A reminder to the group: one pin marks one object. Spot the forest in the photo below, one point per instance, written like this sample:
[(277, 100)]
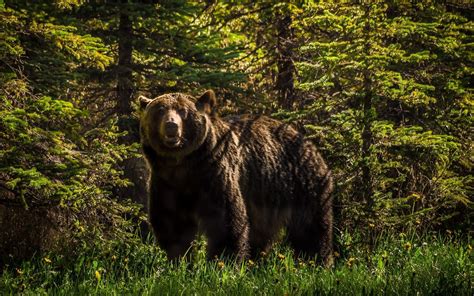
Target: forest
[(384, 89)]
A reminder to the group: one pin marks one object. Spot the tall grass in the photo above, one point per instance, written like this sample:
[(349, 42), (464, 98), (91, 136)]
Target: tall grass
[(431, 265)]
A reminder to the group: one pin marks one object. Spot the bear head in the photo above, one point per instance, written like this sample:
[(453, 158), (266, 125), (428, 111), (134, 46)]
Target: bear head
[(176, 124)]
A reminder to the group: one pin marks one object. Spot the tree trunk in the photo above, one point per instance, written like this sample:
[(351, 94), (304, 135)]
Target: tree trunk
[(286, 67), (367, 182), (134, 168), (367, 143), (125, 89)]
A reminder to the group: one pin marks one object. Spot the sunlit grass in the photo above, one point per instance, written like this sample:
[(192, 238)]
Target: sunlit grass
[(395, 266)]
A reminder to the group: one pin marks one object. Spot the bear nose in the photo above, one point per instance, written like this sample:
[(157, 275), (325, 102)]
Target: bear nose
[(171, 128)]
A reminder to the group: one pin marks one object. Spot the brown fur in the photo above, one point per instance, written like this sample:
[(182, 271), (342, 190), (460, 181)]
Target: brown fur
[(239, 180)]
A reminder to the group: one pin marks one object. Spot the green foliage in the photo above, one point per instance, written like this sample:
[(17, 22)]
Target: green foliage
[(47, 160), (50, 156), (386, 80), (53, 53), (44, 156), (397, 265), (175, 48)]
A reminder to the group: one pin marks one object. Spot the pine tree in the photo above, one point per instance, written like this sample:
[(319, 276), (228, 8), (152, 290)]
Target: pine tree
[(384, 78), (56, 172), (268, 38)]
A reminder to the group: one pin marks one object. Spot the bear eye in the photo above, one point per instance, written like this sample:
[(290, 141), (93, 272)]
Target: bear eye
[(183, 113)]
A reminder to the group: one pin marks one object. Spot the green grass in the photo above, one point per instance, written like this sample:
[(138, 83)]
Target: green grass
[(396, 266)]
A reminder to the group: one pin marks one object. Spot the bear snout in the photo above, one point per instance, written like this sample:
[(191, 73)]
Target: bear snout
[(171, 129)]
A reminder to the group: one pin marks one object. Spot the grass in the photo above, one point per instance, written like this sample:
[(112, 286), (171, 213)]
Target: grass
[(432, 265)]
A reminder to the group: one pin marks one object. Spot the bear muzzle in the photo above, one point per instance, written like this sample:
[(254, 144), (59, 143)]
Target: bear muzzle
[(171, 129)]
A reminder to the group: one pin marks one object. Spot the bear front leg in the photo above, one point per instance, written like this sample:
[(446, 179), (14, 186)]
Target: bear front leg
[(174, 227), (225, 223), (174, 235), (227, 229)]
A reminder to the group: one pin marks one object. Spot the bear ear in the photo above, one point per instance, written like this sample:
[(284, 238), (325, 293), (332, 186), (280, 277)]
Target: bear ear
[(206, 102), (144, 101)]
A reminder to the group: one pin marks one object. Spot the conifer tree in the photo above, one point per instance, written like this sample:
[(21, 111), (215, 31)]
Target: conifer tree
[(385, 80), (56, 172)]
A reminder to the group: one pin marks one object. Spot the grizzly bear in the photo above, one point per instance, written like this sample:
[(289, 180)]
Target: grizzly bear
[(237, 180)]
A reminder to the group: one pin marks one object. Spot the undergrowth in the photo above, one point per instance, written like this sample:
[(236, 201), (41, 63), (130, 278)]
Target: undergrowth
[(396, 265)]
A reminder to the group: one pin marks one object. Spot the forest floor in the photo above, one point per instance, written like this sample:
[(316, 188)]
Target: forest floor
[(401, 265)]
